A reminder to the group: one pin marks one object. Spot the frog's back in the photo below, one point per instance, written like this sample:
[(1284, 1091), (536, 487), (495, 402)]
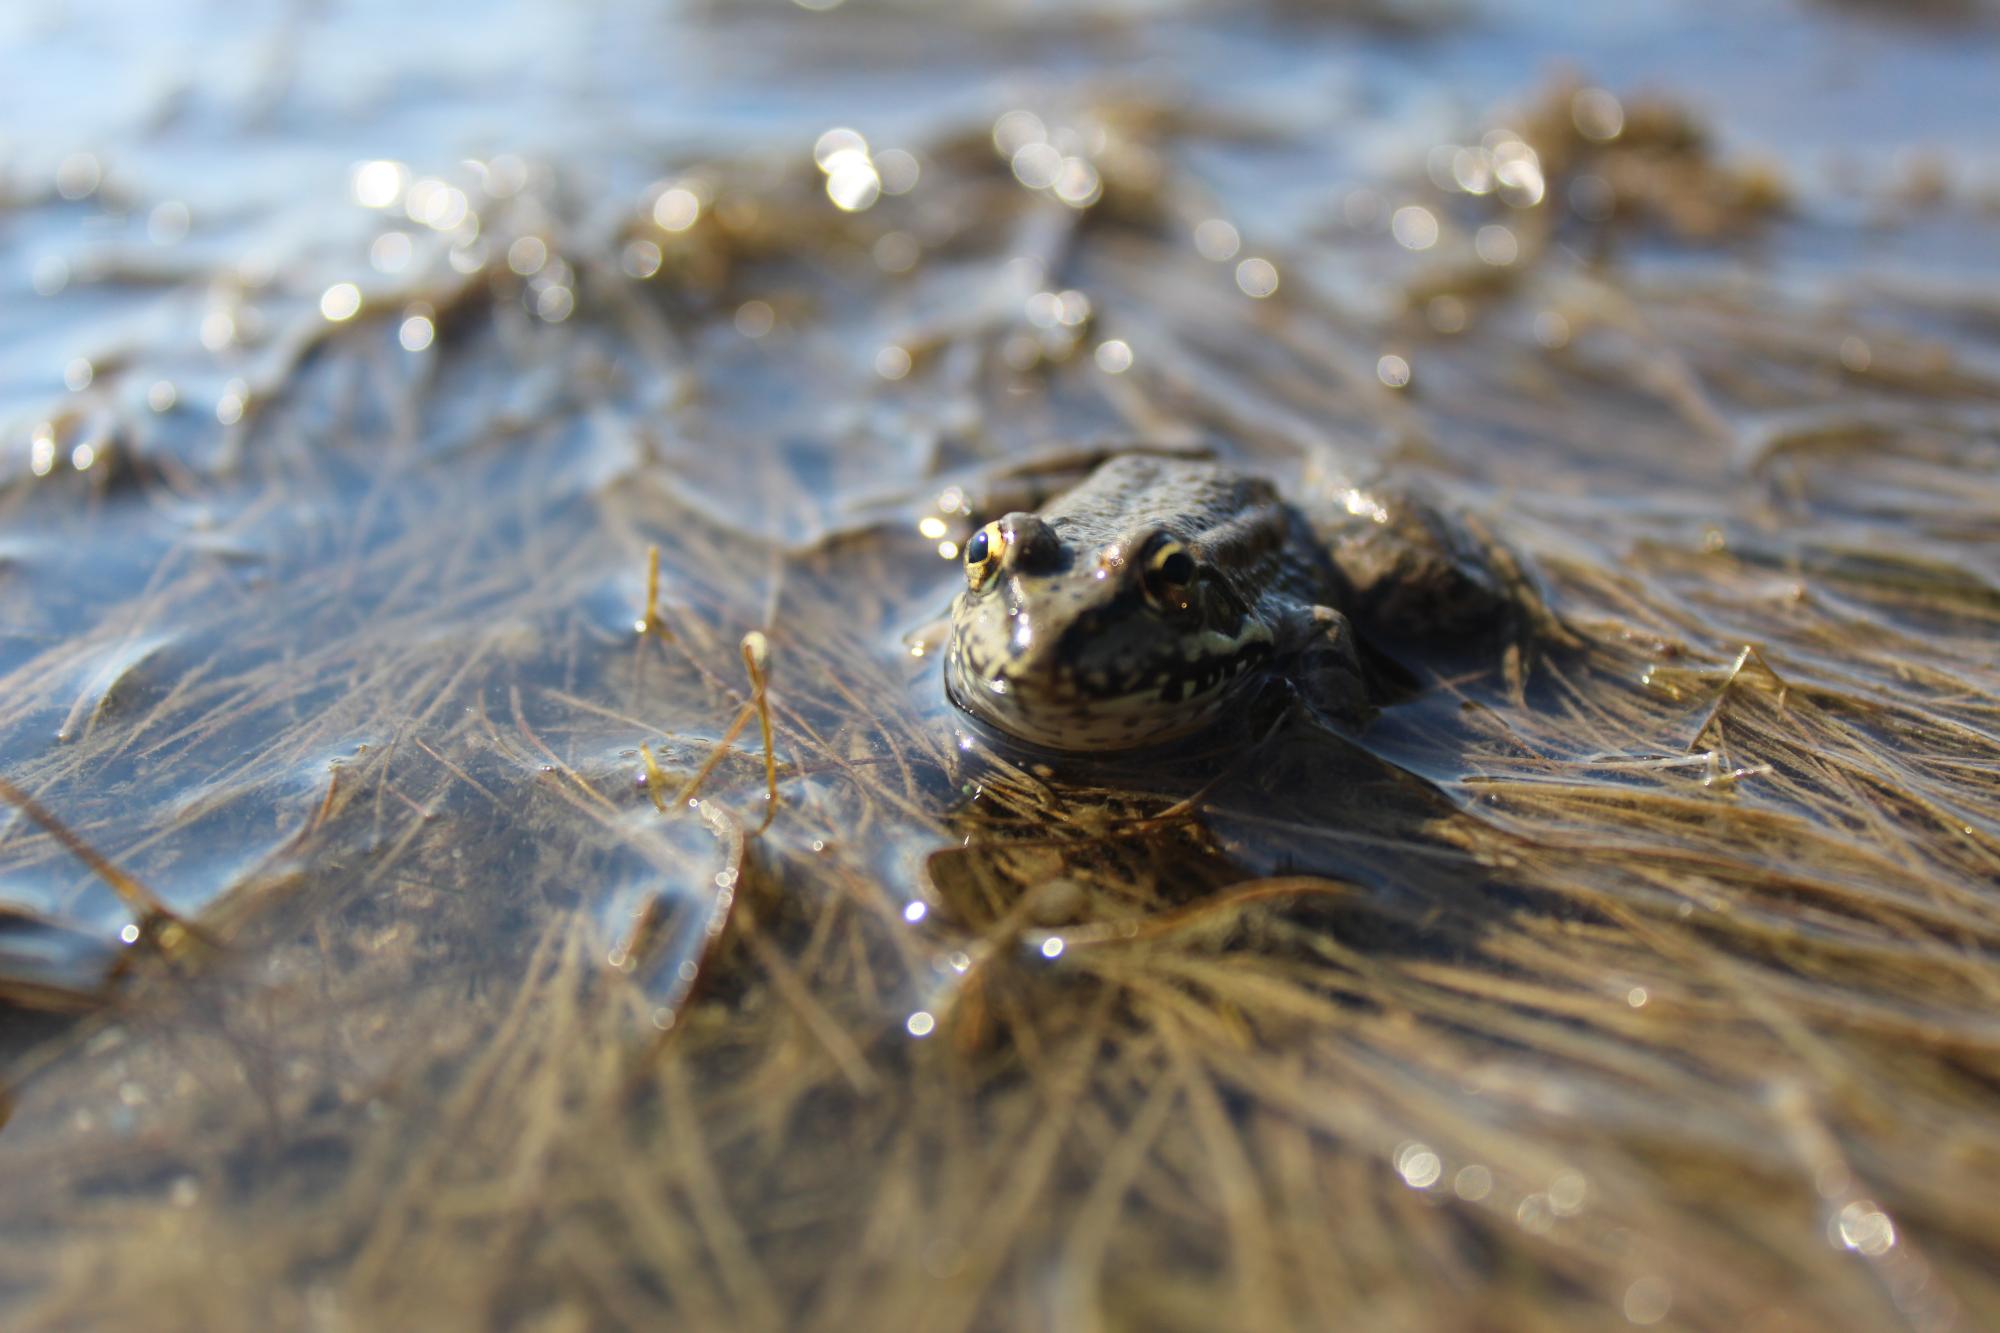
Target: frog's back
[(1135, 492)]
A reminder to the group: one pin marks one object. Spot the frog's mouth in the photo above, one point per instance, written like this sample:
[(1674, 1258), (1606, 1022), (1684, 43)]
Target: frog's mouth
[(1073, 702)]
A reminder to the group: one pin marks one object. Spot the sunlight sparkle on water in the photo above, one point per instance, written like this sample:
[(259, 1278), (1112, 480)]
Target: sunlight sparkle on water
[(1418, 1165), (1496, 245), (1078, 184), (899, 171), (1363, 505), (1257, 277), (754, 319), (641, 259), (1414, 227), (892, 362), (439, 206), (416, 333), (229, 407), (677, 208), (1597, 114), (379, 184), (834, 142), (1567, 1193), (1518, 170), (1114, 356), (1472, 170), (1217, 240), (342, 301), (390, 252), (852, 182), (218, 330), (1863, 1227), (1015, 130), (527, 255), (1534, 1215), (554, 303)]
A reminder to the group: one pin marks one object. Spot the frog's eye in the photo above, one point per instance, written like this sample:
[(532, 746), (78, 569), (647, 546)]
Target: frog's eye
[(982, 555), (1169, 571)]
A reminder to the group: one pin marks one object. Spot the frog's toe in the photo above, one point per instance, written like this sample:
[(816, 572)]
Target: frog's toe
[(1330, 677)]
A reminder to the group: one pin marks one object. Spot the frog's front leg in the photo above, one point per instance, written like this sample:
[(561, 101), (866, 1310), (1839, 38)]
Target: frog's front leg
[(1329, 676), (1410, 573)]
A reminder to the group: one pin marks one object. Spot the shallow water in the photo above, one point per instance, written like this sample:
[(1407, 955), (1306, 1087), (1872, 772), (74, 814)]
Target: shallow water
[(353, 359)]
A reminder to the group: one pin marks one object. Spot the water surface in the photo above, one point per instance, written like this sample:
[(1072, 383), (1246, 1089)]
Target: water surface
[(353, 360)]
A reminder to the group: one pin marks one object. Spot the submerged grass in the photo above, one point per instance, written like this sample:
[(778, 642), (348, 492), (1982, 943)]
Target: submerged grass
[(1646, 977)]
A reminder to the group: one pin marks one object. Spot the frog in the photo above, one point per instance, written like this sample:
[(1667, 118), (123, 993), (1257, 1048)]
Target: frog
[(1151, 600)]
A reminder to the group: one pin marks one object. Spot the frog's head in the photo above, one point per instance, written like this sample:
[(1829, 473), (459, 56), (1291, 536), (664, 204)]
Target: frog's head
[(1079, 645)]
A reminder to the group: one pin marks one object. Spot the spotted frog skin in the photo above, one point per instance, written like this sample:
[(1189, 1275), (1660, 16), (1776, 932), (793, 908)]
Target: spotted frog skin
[(1138, 607)]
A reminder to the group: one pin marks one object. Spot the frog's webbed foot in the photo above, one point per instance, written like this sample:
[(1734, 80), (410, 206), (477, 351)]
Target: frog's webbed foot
[(1330, 677)]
